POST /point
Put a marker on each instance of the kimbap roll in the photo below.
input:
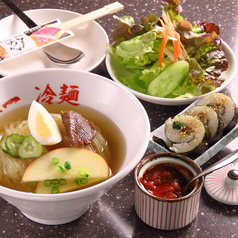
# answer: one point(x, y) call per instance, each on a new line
point(224, 106)
point(210, 119)
point(186, 134)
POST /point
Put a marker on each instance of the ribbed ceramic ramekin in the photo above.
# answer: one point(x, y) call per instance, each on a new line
point(167, 214)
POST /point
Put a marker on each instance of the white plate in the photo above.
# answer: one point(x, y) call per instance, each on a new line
point(90, 37)
point(227, 75)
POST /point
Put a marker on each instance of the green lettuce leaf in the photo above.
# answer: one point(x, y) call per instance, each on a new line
point(173, 8)
point(126, 29)
point(135, 52)
point(138, 52)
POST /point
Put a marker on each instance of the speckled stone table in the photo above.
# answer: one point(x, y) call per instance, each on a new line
point(114, 215)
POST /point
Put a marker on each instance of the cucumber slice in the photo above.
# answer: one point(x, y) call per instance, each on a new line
point(3, 145)
point(12, 142)
point(30, 148)
point(169, 79)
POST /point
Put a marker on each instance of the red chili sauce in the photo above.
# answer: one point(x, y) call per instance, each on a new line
point(163, 181)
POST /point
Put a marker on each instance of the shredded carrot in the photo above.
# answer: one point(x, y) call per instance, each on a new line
point(177, 47)
point(170, 33)
point(162, 46)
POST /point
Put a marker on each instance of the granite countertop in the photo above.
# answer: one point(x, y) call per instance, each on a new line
point(113, 215)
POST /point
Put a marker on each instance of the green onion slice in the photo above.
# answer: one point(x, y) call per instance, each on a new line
point(60, 169)
point(67, 165)
point(84, 180)
point(55, 160)
point(55, 190)
point(62, 182)
point(77, 181)
point(32, 184)
point(54, 181)
point(83, 172)
point(47, 182)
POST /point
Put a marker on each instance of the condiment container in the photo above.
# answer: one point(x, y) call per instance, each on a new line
point(164, 213)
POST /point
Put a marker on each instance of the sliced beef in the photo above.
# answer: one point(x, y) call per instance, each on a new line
point(79, 130)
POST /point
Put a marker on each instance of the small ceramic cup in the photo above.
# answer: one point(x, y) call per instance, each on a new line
point(163, 213)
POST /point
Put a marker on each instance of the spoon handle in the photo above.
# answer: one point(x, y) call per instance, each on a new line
point(221, 163)
point(30, 23)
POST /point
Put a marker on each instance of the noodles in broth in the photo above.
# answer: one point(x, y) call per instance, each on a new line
point(12, 169)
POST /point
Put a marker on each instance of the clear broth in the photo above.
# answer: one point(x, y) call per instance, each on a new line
point(108, 128)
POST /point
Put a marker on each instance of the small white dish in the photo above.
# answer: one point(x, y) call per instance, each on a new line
point(227, 75)
point(90, 37)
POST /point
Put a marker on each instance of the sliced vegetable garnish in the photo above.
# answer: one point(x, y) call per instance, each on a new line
point(55, 182)
point(12, 143)
point(83, 172)
point(19, 146)
point(32, 184)
point(67, 165)
point(84, 180)
point(55, 190)
point(47, 182)
point(177, 125)
point(55, 161)
point(3, 145)
point(162, 46)
point(170, 33)
point(30, 148)
point(169, 79)
point(62, 182)
point(79, 181)
point(60, 169)
point(177, 47)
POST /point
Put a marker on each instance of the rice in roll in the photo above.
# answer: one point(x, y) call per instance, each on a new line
point(186, 134)
point(211, 120)
point(224, 106)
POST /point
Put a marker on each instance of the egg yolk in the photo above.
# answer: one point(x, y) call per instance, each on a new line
point(41, 127)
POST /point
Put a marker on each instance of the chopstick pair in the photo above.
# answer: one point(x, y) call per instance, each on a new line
point(41, 36)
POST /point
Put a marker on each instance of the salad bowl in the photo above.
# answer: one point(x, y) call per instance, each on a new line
point(76, 89)
point(116, 70)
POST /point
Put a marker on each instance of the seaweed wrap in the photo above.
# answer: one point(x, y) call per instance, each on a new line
point(224, 106)
point(186, 134)
point(211, 120)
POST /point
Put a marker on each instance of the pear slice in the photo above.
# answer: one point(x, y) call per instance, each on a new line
point(87, 168)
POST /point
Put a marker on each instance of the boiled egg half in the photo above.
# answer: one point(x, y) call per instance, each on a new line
point(42, 125)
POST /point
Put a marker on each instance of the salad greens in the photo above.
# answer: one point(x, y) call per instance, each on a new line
point(141, 52)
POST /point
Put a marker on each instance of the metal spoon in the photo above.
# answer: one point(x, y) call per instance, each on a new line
point(221, 163)
point(57, 52)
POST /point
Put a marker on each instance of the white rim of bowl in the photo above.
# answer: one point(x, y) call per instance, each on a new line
point(98, 187)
